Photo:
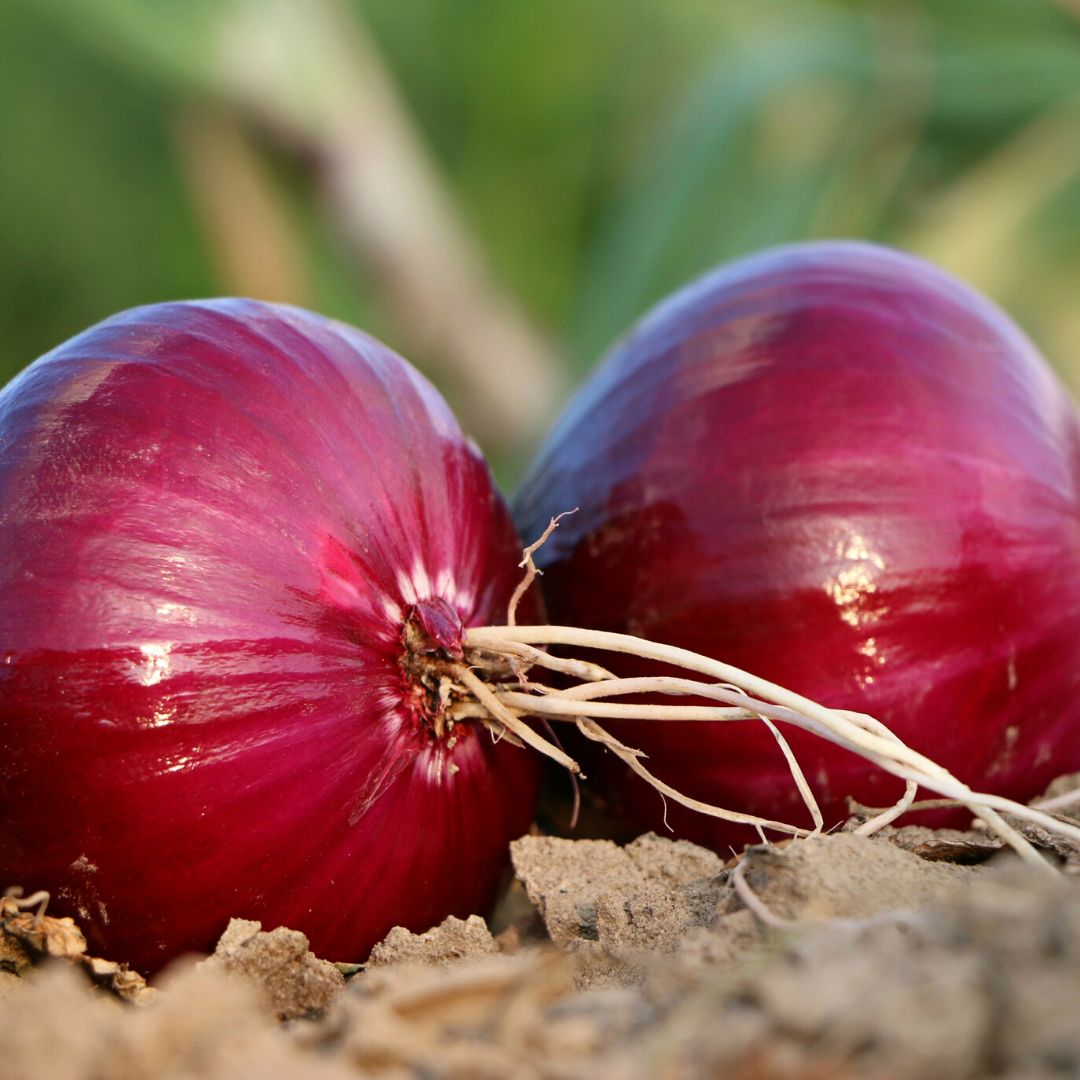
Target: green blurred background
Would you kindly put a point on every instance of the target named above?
(498, 188)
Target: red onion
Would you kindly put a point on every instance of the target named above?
(838, 468)
(216, 521)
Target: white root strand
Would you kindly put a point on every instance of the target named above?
(975, 801)
(795, 769)
(889, 815)
(1013, 837)
(754, 902)
(744, 707)
(857, 732)
(554, 706)
(579, 669)
(1058, 802)
(529, 566)
(833, 720)
(592, 730)
(522, 730)
(570, 702)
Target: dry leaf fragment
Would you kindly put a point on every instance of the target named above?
(29, 937)
(40, 933)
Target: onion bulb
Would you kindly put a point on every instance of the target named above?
(838, 468)
(232, 535)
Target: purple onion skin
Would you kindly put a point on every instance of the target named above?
(837, 467)
(215, 518)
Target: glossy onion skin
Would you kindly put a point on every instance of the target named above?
(215, 517)
(836, 467)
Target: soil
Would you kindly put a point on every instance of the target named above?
(911, 954)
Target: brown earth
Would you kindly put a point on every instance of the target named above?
(912, 954)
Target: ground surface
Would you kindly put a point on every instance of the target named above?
(911, 954)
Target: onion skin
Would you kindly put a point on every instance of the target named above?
(216, 518)
(836, 467)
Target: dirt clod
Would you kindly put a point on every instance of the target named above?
(847, 876)
(840, 957)
(452, 939)
(289, 977)
(203, 1024)
(588, 888)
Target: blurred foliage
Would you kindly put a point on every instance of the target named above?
(603, 151)
(93, 214)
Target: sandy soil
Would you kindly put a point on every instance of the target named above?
(912, 954)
